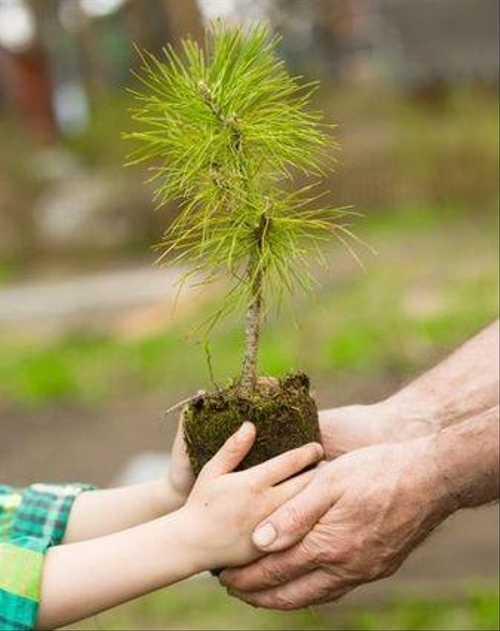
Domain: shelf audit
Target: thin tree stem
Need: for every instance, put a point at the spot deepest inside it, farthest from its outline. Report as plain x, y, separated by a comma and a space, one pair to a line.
255, 276
252, 331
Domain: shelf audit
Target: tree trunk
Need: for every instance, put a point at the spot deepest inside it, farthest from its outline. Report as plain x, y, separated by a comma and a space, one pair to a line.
184, 18
252, 331
255, 276
146, 25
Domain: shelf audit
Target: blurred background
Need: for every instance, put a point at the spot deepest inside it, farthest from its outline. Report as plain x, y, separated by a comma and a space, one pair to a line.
94, 344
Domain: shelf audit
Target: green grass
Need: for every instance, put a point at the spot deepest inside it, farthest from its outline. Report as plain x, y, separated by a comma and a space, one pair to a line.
427, 291
202, 606
6, 272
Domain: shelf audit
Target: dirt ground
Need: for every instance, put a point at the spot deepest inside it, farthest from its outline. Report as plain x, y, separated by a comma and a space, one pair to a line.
93, 446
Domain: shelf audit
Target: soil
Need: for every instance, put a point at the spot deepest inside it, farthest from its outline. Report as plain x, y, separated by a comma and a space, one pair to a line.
283, 412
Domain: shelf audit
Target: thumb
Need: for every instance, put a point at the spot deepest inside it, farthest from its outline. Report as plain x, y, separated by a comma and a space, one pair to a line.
293, 520
231, 453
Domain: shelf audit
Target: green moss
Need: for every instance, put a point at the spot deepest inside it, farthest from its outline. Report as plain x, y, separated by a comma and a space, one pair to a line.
283, 412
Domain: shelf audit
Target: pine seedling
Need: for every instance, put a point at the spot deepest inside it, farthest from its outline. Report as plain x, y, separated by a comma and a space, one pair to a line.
231, 131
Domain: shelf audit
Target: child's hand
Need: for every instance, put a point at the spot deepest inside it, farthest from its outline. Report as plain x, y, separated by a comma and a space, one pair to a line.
224, 507
180, 473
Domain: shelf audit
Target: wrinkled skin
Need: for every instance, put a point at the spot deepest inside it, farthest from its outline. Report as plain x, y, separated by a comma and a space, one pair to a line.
403, 465
359, 518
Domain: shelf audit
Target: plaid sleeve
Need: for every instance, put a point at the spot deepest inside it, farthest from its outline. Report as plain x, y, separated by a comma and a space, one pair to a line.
31, 521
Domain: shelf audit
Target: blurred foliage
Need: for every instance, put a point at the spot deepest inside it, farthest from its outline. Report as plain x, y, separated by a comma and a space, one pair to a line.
397, 151
433, 285
200, 606
100, 145
400, 151
7, 272
19, 188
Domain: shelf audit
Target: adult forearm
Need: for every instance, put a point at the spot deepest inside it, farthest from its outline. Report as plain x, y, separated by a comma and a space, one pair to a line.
82, 579
464, 384
467, 455
99, 513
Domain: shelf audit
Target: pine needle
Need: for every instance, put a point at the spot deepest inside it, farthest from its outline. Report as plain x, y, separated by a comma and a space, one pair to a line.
226, 126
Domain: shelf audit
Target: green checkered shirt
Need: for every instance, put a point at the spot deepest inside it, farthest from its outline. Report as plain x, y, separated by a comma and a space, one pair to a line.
31, 521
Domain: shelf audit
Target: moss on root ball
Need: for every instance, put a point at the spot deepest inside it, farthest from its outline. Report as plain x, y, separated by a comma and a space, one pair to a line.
283, 412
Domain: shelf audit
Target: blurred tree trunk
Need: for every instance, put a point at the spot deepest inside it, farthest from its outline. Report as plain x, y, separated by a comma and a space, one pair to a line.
154, 24
29, 87
92, 60
327, 25
336, 17
335, 32
146, 24
184, 18
29, 82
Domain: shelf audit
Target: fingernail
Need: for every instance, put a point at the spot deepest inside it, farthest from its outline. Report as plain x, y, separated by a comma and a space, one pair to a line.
265, 535
246, 428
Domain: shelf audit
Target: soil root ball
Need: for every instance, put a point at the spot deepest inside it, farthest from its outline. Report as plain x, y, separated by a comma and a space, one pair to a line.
283, 412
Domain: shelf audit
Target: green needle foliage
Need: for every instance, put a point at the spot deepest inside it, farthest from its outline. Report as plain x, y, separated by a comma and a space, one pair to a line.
229, 128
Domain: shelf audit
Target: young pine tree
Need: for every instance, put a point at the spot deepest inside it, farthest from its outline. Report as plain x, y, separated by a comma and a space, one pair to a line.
230, 130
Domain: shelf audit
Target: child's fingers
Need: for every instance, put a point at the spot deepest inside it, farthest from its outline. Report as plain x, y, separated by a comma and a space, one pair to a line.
288, 489
231, 453
180, 471
179, 442
288, 464
179, 449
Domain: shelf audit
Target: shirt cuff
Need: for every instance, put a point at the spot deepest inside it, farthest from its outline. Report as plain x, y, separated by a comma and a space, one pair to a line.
44, 511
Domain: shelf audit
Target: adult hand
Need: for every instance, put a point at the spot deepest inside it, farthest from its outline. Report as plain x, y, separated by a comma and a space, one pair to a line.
355, 522
462, 386
352, 427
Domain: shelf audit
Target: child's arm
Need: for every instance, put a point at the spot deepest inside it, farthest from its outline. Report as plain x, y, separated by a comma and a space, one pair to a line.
212, 530
82, 579
100, 513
